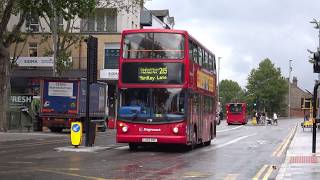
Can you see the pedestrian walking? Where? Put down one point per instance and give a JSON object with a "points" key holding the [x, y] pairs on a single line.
{"points": [[263, 118], [275, 118]]}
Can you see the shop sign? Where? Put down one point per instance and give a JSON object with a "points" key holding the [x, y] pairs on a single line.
{"points": [[20, 100], [109, 74], [35, 61]]}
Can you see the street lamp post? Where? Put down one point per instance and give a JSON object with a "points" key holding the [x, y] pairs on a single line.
{"points": [[317, 26], [289, 91], [315, 96], [218, 76]]}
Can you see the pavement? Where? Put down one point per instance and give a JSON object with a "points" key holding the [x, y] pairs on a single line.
{"points": [[300, 163], [17, 136]]}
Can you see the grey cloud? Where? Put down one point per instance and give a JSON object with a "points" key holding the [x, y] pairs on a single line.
{"points": [[276, 29]]}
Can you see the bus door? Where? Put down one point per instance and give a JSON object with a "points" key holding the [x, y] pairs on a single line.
{"points": [[199, 113], [190, 117], [202, 116], [195, 114]]}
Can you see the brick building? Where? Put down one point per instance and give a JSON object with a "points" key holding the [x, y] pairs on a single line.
{"points": [[296, 93]]}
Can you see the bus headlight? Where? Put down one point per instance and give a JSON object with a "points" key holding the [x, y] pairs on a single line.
{"points": [[175, 130], [124, 129]]}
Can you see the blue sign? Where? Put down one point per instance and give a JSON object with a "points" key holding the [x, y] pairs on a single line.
{"points": [[75, 128]]}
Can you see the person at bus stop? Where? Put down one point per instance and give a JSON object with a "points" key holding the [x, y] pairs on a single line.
{"points": [[258, 117], [275, 118], [263, 117], [35, 109]]}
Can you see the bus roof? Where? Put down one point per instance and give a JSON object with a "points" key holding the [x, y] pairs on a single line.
{"points": [[165, 31], [154, 30]]}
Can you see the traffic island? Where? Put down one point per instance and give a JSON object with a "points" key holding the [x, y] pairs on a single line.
{"points": [[81, 149]]}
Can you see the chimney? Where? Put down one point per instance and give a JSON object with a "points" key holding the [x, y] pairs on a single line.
{"points": [[295, 81]]}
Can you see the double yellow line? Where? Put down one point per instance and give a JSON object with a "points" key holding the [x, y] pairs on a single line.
{"points": [[269, 169], [282, 147]]}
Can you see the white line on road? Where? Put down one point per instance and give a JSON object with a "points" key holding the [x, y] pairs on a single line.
{"points": [[122, 147], [230, 129], [228, 143]]}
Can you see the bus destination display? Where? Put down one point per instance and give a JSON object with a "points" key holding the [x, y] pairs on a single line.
{"points": [[153, 74], [164, 73]]}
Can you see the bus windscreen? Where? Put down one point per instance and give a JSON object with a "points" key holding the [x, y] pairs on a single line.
{"points": [[162, 105], [153, 46], [236, 108]]}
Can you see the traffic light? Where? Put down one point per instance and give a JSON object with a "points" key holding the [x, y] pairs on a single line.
{"points": [[92, 54], [316, 62]]}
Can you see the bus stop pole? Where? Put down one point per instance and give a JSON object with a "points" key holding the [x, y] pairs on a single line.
{"points": [[314, 123]]}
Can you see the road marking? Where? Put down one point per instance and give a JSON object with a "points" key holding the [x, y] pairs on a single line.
{"points": [[280, 149], [19, 162], [195, 175], [73, 174], [231, 177], [122, 147], [235, 140], [256, 177], [225, 130], [268, 173], [228, 143], [32, 144]]}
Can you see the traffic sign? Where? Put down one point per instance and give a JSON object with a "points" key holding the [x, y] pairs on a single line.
{"points": [[76, 133]]}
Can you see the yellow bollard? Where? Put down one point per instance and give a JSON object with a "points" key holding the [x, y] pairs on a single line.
{"points": [[76, 134], [254, 121]]}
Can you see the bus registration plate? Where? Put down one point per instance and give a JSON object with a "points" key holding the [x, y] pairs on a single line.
{"points": [[149, 140]]}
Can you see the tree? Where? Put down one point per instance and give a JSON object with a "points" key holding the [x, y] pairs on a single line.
{"points": [[22, 8], [65, 38], [49, 10], [267, 88], [230, 91]]}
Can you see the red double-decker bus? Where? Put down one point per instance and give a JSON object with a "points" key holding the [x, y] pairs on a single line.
{"points": [[167, 89], [236, 113]]}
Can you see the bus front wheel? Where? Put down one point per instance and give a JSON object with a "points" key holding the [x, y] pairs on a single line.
{"points": [[133, 146]]}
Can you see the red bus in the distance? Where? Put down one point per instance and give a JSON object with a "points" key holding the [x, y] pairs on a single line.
{"points": [[236, 113], [167, 89]]}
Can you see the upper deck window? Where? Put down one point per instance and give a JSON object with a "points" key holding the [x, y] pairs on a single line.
{"points": [[153, 46]]}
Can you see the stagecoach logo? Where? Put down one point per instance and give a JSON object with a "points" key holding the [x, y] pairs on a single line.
{"points": [[141, 129]]}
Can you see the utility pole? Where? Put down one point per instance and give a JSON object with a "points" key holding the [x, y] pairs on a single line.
{"points": [[218, 92], [317, 26], [289, 91], [315, 91]]}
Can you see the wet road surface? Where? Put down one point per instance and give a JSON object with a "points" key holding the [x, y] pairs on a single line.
{"points": [[238, 152]]}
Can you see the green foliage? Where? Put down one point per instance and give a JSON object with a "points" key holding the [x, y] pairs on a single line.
{"points": [[63, 61], [68, 9], [230, 91], [267, 87]]}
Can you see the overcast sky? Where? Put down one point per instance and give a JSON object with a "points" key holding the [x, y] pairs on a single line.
{"points": [[244, 32]]}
